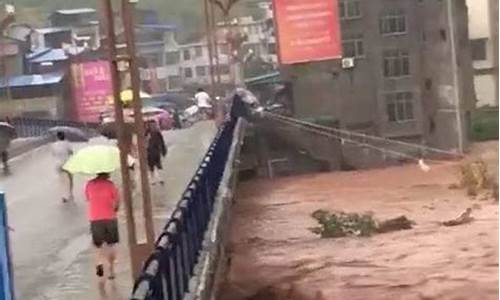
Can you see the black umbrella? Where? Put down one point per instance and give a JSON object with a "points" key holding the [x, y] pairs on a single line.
{"points": [[7, 130], [71, 133], [110, 130]]}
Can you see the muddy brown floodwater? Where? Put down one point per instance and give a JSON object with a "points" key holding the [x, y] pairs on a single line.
{"points": [[275, 256]]}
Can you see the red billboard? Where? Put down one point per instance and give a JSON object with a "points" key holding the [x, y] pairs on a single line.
{"points": [[307, 30], [92, 89]]}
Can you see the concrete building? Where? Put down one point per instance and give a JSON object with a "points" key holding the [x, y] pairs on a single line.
{"points": [[158, 50], [411, 78], [37, 95], [483, 33], [83, 23], [260, 37], [195, 63]]}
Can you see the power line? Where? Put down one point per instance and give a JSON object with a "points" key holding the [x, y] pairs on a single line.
{"points": [[364, 140]]}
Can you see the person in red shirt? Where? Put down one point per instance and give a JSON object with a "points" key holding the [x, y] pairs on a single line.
{"points": [[103, 204]]}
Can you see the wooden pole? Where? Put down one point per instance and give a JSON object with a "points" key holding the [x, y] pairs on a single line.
{"points": [[209, 45], [108, 19], [215, 40], [128, 24]]}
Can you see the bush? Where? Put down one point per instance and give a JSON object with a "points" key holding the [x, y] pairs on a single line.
{"points": [[485, 124], [340, 224], [475, 177]]}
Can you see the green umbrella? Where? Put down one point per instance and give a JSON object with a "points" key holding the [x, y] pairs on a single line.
{"points": [[94, 160]]}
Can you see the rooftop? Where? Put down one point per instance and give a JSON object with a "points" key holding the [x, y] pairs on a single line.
{"points": [[46, 30], [48, 54], [76, 11], [32, 80], [159, 27]]}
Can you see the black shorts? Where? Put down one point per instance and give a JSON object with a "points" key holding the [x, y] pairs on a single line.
{"points": [[104, 231]]}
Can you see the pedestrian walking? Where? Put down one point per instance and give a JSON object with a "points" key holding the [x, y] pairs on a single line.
{"points": [[61, 149], [177, 119], [5, 139], [5, 162], [156, 149], [103, 204], [203, 102]]}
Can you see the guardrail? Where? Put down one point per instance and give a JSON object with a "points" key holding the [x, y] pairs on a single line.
{"points": [[30, 127], [167, 272], [6, 282]]}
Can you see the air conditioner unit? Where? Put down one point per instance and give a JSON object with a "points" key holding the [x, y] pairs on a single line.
{"points": [[348, 63]]}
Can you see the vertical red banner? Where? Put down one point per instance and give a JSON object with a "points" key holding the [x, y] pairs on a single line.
{"points": [[91, 89], [307, 30]]}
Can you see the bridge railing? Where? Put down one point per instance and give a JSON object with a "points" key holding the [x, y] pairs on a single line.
{"points": [[6, 276], [167, 272], [31, 127]]}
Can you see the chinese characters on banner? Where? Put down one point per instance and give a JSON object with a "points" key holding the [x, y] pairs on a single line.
{"points": [[91, 89], [308, 30]]}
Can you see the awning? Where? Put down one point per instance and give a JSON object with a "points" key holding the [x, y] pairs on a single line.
{"points": [[32, 80], [51, 55]]}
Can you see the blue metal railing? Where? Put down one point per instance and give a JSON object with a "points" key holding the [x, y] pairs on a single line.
{"points": [[167, 271], [30, 127], [6, 278]]}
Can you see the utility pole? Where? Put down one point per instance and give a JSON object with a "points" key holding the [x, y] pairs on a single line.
{"points": [[138, 252], [215, 42], [135, 80], [456, 82], [493, 16], [209, 44]]}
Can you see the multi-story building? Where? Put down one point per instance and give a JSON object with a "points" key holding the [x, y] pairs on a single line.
{"points": [[406, 73], [195, 63], [483, 32], [83, 23], [259, 35]]}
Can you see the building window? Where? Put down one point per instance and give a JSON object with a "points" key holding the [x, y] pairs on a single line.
{"points": [[272, 48], [224, 49], [396, 63], [353, 46], [393, 22], [400, 106], [187, 54], [173, 58], [478, 49], [198, 51], [201, 71], [188, 73], [349, 9], [223, 70], [174, 82], [152, 60]]}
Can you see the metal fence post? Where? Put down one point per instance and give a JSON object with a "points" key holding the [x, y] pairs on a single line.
{"points": [[6, 276]]}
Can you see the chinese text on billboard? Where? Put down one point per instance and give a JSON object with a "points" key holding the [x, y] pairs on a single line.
{"points": [[91, 89], [307, 30]]}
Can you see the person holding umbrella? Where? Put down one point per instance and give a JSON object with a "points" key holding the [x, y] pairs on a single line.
{"points": [[61, 149], [103, 203]]}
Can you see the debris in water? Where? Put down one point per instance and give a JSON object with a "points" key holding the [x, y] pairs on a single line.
{"points": [[464, 218], [423, 166], [341, 224]]}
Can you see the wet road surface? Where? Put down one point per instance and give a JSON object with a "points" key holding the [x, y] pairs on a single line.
{"points": [[52, 253]]}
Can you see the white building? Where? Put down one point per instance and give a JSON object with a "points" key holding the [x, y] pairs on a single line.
{"points": [[195, 63], [483, 27], [260, 36]]}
